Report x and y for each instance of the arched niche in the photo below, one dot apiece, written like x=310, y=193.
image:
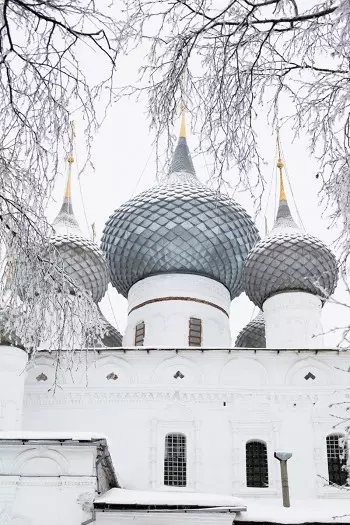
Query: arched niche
x=43, y=372
x=41, y=461
x=309, y=373
x=244, y=372
x=177, y=371
x=111, y=371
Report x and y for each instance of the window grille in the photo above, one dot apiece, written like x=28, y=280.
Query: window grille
x=140, y=334
x=337, y=458
x=195, y=332
x=256, y=464
x=175, y=462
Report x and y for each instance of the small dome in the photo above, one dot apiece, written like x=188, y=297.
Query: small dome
x=83, y=261
x=179, y=226
x=253, y=334
x=8, y=337
x=289, y=260
x=112, y=337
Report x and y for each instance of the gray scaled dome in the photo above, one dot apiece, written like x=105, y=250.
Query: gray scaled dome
x=179, y=226
x=112, y=337
x=253, y=334
x=83, y=261
x=289, y=260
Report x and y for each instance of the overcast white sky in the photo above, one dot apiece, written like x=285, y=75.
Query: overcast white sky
x=125, y=166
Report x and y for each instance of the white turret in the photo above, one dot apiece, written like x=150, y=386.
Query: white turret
x=289, y=274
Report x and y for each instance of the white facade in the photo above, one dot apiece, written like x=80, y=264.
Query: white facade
x=224, y=399
x=293, y=320
x=50, y=479
x=12, y=377
x=165, y=303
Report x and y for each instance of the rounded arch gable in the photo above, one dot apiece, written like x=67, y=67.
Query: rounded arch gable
x=309, y=372
x=177, y=371
x=244, y=372
x=111, y=371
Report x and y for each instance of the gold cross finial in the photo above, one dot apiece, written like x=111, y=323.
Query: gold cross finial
x=280, y=166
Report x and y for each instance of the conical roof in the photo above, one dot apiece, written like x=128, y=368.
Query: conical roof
x=288, y=260
x=253, y=334
x=178, y=226
x=82, y=259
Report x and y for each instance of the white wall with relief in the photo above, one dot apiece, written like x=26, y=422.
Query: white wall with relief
x=46, y=483
x=219, y=399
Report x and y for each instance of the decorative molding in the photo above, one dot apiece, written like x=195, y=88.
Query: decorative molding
x=167, y=299
x=105, y=395
x=42, y=481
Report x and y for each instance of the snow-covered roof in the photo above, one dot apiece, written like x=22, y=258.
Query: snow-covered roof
x=33, y=435
x=332, y=510
x=139, y=498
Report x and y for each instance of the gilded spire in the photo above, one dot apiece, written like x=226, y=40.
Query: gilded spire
x=280, y=166
x=66, y=215
x=183, y=123
x=284, y=217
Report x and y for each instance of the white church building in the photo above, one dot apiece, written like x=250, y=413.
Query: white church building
x=174, y=422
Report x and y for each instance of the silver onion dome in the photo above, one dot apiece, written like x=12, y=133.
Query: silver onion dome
x=83, y=261
x=253, y=334
x=179, y=226
x=289, y=260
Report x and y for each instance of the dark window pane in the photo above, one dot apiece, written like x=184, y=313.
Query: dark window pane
x=175, y=460
x=256, y=464
x=337, y=459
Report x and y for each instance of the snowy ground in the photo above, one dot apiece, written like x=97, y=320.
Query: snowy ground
x=300, y=511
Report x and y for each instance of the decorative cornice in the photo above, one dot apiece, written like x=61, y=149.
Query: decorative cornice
x=85, y=397
x=166, y=299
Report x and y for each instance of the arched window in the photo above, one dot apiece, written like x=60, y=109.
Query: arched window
x=337, y=458
x=195, y=332
x=140, y=334
x=256, y=464
x=175, y=463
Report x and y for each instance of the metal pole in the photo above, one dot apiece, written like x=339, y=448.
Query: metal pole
x=285, y=486
x=283, y=458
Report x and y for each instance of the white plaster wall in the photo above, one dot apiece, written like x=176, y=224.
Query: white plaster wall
x=293, y=320
x=225, y=398
x=46, y=485
x=12, y=377
x=166, y=322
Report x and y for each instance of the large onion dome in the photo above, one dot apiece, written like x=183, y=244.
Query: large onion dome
x=179, y=226
x=253, y=334
x=289, y=260
x=83, y=261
